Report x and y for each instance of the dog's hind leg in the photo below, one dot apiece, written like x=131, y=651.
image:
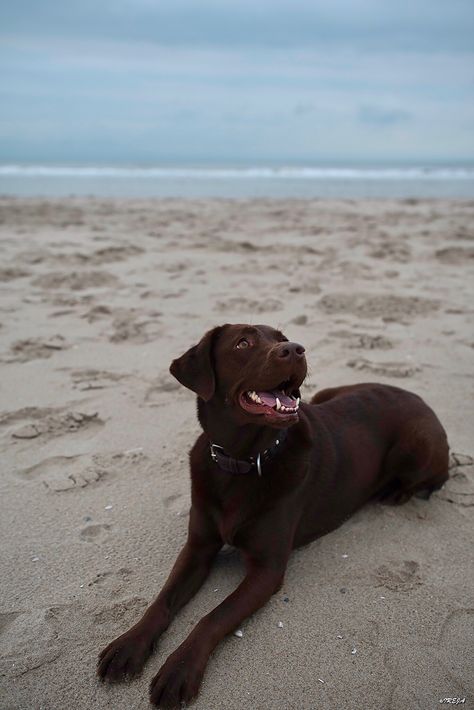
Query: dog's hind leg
x=417, y=464
x=431, y=487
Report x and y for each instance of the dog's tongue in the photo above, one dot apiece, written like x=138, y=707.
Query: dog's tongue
x=269, y=398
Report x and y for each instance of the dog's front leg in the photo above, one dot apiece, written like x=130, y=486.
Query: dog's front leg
x=180, y=677
x=127, y=655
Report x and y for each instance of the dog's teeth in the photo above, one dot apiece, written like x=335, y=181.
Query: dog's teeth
x=251, y=394
x=297, y=402
x=278, y=404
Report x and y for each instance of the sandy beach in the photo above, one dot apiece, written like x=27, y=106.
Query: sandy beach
x=97, y=297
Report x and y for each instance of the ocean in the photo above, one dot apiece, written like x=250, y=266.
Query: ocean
x=237, y=182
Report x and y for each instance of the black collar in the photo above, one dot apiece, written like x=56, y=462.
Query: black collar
x=250, y=465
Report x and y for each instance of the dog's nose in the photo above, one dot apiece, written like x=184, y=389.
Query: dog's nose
x=288, y=350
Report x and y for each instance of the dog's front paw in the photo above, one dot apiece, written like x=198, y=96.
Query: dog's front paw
x=125, y=656
x=179, y=678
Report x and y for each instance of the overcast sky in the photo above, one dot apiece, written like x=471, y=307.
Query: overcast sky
x=261, y=81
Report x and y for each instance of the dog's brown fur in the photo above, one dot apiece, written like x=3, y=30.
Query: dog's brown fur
x=350, y=444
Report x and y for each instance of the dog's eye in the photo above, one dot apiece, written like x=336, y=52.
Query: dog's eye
x=243, y=343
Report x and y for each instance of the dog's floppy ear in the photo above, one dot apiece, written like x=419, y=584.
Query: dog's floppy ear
x=195, y=368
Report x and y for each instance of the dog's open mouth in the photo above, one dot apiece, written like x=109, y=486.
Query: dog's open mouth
x=282, y=401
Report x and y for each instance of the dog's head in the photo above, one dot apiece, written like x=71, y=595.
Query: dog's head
x=254, y=371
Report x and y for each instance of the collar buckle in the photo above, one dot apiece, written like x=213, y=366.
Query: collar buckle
x=214, y=453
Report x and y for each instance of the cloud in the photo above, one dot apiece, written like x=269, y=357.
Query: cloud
x=280, y=80
x=433, y=25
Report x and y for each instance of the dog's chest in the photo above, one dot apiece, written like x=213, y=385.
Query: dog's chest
x=232, y=517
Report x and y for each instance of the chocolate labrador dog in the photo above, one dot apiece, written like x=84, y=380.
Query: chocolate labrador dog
x=270, y=473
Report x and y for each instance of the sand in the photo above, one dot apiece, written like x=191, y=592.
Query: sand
x=97, y=297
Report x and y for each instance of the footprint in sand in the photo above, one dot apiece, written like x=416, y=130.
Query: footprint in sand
x=65, y=473
x=134, y=328
x=385, y=306
x=229, y=245
x=68, y=300
x=33, y=256
x=300, y=320
x=455, y=255
x=90, y=379
x=265, y=305
x=174, y=294
x=177, y=503
x=11, y=273
x=115, y=614
x=392, y=251
x=18, y=415
x=388, y=369
x=97, y=313
x=75, y=280
x=6, y=619
x=463, y=232
x=38, y=637
x=175, y=267
x=95, y=533
x=363, y=341
x=49, y=423
x=35, y=348
x=110, y=254
x=21, y=652
x=399, y=576
x=128, y=325
x=455, y=627
x=119, y=577
x=105, y=255
x=459, y=489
